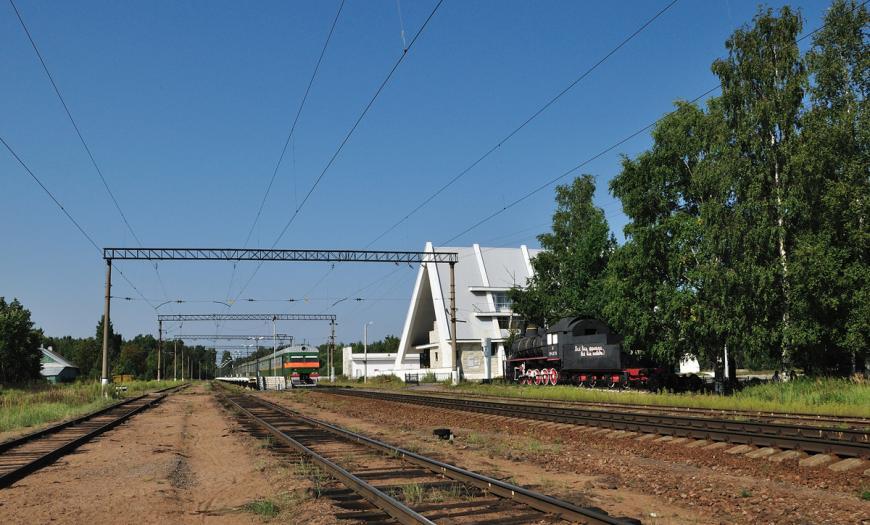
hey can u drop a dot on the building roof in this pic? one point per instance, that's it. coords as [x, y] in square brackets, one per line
[53, 363]
[482, 274]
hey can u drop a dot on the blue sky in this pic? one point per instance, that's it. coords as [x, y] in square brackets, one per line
[186, 106]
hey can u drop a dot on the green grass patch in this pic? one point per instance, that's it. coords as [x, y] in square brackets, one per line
[825, 396]
[45, 403]
[262, 507]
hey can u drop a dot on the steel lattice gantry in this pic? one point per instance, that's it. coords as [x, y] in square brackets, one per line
[245, 254]
[246, 317]
[239, 317]
[231, 337]
[234, 254]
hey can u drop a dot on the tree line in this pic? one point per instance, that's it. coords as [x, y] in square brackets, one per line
[747, 218]
[20, 357]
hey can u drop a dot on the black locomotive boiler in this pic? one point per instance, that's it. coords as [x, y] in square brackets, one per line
[579, 351]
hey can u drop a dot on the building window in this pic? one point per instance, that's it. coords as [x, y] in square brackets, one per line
[502, 302]
[504, 323]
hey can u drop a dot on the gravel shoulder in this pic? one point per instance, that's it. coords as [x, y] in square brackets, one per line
[655, 482]
[184, 461]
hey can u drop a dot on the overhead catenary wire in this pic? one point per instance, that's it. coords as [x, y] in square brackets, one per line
[523, 124]
[346, 138]
[295, 122]
[68, 215]
[606, 150]
[80, 135]
[287, 141]
[567, 172]
[357, 123]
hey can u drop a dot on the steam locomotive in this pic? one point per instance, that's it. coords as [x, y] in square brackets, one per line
[579, 351]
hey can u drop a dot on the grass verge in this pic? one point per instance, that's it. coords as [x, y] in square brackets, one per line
[45, 403]
[824, 396]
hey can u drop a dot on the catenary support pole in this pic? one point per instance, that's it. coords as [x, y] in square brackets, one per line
[175, 361]
[332, 353]
[274, 347]
[453, 346]
[159, 348]
[104, 381]
[366, 353]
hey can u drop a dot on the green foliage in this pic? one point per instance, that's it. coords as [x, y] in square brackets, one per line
[568, 271]
[19, 344]
[747, 219]
[136, 357]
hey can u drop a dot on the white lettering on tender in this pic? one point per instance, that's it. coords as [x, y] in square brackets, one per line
[589, 351]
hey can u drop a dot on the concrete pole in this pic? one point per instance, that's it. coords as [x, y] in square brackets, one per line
[453, 346]
[175, 361]
[104, 381]
[159, 346]
[332, 353]
[366, 353]
[274, 347]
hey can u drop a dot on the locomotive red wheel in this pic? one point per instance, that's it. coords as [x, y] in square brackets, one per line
[537, 377]
[554, 376]
[545, 377]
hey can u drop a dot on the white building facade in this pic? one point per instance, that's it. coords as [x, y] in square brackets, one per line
[358, 365]
[484, 313]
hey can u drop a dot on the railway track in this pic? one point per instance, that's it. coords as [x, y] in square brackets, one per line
[380, 483]
[25, 455]
[811, 439]
[841, 422]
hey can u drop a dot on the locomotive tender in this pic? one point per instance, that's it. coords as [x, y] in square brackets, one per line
[579, 351]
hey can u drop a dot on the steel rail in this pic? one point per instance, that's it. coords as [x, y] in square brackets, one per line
[846, 443]
[16, 474]
[535, 500]
[394, 508]
[12, 443]
[817, 419]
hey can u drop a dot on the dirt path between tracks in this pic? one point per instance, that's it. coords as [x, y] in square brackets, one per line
[182, 462]
[649, 481]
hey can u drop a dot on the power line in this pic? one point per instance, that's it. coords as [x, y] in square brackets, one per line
[80, 136]
[346, 138]
[526, 122]
[358, 120]
[568, 172]
[67, 213]
[72, 121]
[295, 121]
[607, 150]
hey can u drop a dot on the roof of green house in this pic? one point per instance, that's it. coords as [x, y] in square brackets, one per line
[52, 363]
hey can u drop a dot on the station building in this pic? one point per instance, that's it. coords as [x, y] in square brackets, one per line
[484, 313]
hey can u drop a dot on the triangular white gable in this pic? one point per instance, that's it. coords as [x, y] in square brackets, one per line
[428, 284]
